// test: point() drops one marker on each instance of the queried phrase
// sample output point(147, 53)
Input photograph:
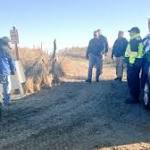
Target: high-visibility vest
point(133, 55)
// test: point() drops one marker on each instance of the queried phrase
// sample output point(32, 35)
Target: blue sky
point(71, 22)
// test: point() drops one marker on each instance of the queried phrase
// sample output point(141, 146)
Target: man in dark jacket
point(118, 51)
point(94, 54)
point(7, 68)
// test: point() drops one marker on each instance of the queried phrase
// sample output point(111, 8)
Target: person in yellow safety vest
point(133, 56)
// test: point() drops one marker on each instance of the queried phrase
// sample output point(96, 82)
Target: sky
point(71, 22)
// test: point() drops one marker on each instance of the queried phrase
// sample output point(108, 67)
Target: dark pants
point(94, 61)
point(133, 78)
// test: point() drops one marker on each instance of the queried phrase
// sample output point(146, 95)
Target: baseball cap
point(135, 30)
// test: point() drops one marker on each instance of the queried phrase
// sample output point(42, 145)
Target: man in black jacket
point(118, 51)
point(94, 55)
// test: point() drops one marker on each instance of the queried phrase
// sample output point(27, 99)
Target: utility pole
point(41, 46)
point(54, 61)
point(54, 49)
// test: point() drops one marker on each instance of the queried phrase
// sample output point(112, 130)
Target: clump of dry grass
point(38, 69)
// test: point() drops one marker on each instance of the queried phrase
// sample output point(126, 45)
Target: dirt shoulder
point(76, 116)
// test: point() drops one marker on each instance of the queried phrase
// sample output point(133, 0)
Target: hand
point(103, 57)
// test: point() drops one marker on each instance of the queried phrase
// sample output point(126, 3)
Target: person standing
point(133, 56)
point(118, 51)
point(146, 57)
point(94, 55)
point(7, 68)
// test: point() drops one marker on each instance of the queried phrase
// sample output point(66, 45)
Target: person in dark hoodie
point(94, 55)
point(7, 68)
point(118, 51)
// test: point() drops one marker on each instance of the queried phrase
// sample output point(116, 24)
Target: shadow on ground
point(74, 116)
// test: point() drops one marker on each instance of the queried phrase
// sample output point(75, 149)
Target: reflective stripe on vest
point(133, 55)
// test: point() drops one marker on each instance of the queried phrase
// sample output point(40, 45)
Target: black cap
point(5, 39)
point(135, 30)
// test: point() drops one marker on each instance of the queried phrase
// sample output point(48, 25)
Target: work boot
point(88, 80)
point(97, 80)
point(131, 101)
point(118, 79)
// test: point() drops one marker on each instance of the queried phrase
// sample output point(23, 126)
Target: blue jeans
point(5, 81)
point(94, 61)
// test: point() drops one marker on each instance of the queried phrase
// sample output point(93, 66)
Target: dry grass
point(38, 69)
point(76, 68)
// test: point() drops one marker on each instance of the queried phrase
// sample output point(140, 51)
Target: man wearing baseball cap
point(134, 55)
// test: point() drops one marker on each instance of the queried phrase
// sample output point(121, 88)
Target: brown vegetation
point(38, 69)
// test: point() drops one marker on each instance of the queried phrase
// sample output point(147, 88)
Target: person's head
point(134, 31)
point(5, 40)
point(95, 34)
point(120, 34)
point(14, 28)
point(98, 31)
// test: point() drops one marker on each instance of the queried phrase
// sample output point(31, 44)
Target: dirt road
point(74, 116)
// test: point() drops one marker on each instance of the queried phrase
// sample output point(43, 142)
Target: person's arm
point(125, 44)
point(145, 42)
point(113, 49)
point(88, 49)
point(106, 45)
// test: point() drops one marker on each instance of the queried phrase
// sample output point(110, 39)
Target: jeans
point(119, 66)
point(94, 61)
point(5, 80)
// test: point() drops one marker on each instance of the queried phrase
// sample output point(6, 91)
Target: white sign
point(20, 72)
point(14, 36)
